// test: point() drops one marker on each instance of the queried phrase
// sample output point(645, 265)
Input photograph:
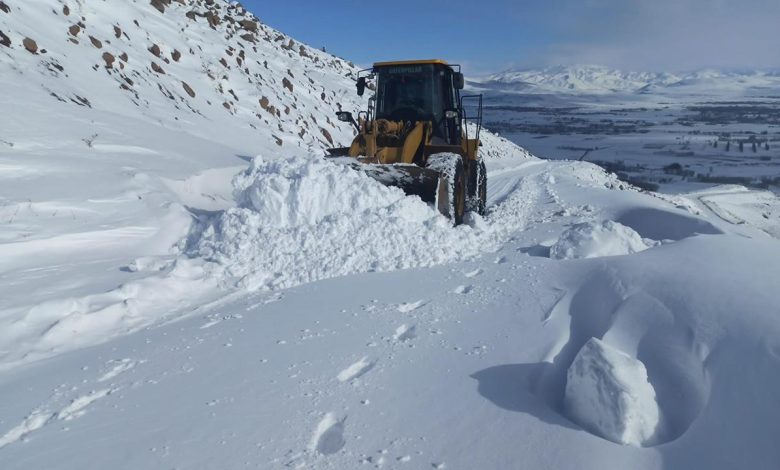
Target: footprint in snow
point(356, 370)
point(328, 438)
point(405, 333)
point(217, 319)
point(41, 417)
point(408, 307)
point(463, 289)
point(118, 367)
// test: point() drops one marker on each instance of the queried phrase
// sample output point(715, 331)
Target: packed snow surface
point(608, 393)
point(595, 239)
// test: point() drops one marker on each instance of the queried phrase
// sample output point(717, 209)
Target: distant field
point(660, 142)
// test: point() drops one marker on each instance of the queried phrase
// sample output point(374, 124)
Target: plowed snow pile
point(608, 393)
point(303, 219)
point(593, 239)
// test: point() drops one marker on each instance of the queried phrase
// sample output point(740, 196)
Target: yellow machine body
point(415, 121)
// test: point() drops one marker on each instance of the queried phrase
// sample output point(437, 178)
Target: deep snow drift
point(591, 240)
point(304, 219)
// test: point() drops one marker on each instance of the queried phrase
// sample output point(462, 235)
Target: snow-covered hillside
point(185, 281)
point(122, 122)
point(591, 79)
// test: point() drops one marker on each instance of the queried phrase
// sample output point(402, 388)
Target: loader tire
point(476, 200)
point(451, 189)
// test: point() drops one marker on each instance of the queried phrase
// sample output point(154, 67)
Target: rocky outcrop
point(249, 25)
point(287, 84)
point(160, 4)
point(109, 59)
point(188, 89)
point(30, 45)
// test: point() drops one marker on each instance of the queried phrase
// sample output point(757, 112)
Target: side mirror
point(361, 86)
point(451, 114)
point(346, 116)
point(458, 81)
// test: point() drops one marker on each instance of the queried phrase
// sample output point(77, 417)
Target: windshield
point(408, 93)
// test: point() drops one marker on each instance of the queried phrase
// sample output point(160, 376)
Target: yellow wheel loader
point(415, 135)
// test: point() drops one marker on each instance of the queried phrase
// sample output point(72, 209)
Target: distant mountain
point(592, 79)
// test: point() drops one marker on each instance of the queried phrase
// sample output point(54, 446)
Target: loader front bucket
point(412, 179)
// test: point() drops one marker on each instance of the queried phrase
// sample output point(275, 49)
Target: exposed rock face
point(155, 50)
point(5, 7)
point(123, 57)
point(249, 25)
point(65, 10)
point(160, 4)
point(176, 55)
point(109, 58)
point(30, 45)
point(74, 30)
point(96, 42)
point(287, 84)
point(188, 89)
point(117, 32)
point(157, 68)
point(327, 135)
point(5, 40)
point(213, 19)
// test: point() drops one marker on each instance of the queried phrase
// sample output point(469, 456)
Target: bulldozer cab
point(418, 135)
point(421, 92)
point(417, 110)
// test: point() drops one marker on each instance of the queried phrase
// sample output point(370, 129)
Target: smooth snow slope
point(103, 169)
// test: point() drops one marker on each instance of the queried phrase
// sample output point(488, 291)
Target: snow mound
point(302, 219)
point(595, 239)
point(289, 192)
point(607, 392)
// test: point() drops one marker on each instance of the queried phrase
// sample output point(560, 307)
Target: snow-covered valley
point(186, 283)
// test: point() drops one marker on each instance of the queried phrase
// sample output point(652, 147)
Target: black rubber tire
point(482, 192)
point(450, 166)
point(476, 200)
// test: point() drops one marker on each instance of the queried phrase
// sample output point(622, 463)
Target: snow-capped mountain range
point(592, 79)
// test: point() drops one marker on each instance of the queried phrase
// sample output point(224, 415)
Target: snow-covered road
point(460, 365)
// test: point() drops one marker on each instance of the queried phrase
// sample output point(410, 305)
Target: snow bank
point(594, 239)
point(302, 219)
point(289, 192)
point(607, 392)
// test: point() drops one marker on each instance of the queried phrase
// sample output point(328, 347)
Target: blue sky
point(494, 35)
